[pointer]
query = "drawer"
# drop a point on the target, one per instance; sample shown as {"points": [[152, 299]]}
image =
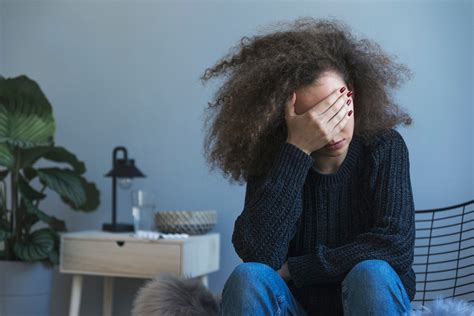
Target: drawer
{"points": [[119, 258]]}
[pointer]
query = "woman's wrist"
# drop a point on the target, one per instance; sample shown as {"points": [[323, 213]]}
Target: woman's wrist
{"points": [[284, 272], [308, 152]]}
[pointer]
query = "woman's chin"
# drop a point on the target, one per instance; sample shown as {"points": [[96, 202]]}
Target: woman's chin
{"points": [[334, 152], [338, 147]]}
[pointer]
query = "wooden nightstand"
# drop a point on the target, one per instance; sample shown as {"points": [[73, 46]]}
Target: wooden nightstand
{"points": [[123, 255]]}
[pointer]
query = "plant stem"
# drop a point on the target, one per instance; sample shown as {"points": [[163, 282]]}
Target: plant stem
{"points": [[16, 214], [42, 190]]}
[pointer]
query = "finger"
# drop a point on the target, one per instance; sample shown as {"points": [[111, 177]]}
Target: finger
{"points": [[342, 122], [334, 112], [323, 106], [290, 106], [336, 120]]}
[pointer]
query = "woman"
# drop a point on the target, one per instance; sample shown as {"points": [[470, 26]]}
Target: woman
{"points": [[327, 228]]}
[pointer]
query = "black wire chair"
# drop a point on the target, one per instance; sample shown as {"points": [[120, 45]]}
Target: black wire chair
{"points": [[444, 253]]}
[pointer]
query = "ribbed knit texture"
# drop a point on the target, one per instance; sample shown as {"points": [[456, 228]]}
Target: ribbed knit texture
{"points": [[324, 224]]}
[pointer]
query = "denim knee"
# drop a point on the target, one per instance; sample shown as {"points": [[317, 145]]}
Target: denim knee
{"points": [[248, 274], [369, 273], [373, 287], [253, 288]]}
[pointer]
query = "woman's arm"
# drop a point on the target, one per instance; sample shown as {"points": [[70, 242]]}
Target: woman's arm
{"points": [[391, 239], [273, 204]]}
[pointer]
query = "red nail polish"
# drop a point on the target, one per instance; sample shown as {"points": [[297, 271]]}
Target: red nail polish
{"points": [[342, 89], [349, 93], [350, 112], [348, 102]]}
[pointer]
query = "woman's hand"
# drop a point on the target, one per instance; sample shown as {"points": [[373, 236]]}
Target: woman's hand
{"points": [[318, 126], [284, 272]]}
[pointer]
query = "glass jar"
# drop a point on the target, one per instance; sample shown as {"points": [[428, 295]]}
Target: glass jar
{"points": [[143, 211]]}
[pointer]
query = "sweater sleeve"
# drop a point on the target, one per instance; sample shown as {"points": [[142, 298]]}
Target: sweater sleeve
{"points": [[273, 204], [392, 238]]}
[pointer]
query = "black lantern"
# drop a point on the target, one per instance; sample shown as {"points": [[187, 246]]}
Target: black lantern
{"points": [[125, 170]]}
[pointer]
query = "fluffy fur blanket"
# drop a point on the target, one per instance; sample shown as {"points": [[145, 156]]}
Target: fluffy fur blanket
{"points": [[445, 307], [168, 295]]}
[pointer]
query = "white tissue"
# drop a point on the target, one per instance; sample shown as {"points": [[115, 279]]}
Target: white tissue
{"points": [[158, 235]]}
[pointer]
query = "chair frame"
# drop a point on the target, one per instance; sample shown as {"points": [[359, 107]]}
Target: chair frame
{"points": [[444, 214]]}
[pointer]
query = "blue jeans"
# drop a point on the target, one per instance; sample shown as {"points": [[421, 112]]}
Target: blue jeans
{"points": [[372, 287]]}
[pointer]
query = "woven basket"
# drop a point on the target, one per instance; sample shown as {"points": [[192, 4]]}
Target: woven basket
{"points": [[185, 222]]}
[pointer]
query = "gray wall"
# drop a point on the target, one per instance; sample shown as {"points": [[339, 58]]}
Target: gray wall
{"points": [[126, 73]]}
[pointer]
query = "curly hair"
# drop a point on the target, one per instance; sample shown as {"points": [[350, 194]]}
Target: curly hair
{"points": [[246, 124]]}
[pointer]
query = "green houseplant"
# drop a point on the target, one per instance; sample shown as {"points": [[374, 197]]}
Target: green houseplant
{"points": [[27, 129]]}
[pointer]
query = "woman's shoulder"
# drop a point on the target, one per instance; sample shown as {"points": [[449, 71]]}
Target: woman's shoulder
{"points": [[387, 141], [388, 137]]}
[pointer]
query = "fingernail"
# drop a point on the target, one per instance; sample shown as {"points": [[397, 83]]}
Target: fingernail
{"points": [[348, 102], [350, 112], [349, 93], [342, 89]]}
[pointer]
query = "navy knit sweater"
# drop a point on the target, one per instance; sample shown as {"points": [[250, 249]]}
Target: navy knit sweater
{"points": [[324, 224]]}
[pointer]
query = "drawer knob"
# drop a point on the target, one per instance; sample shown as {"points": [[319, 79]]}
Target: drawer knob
{"points": [[120, 242]]}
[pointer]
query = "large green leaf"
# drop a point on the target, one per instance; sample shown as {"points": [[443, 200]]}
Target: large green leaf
{"points": [[27, 190], [61, 154], [35, 246], [28, 156], [26, 118], [93, 196], [6, 156], [73, 189], [64, 182], [53, 222]]}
